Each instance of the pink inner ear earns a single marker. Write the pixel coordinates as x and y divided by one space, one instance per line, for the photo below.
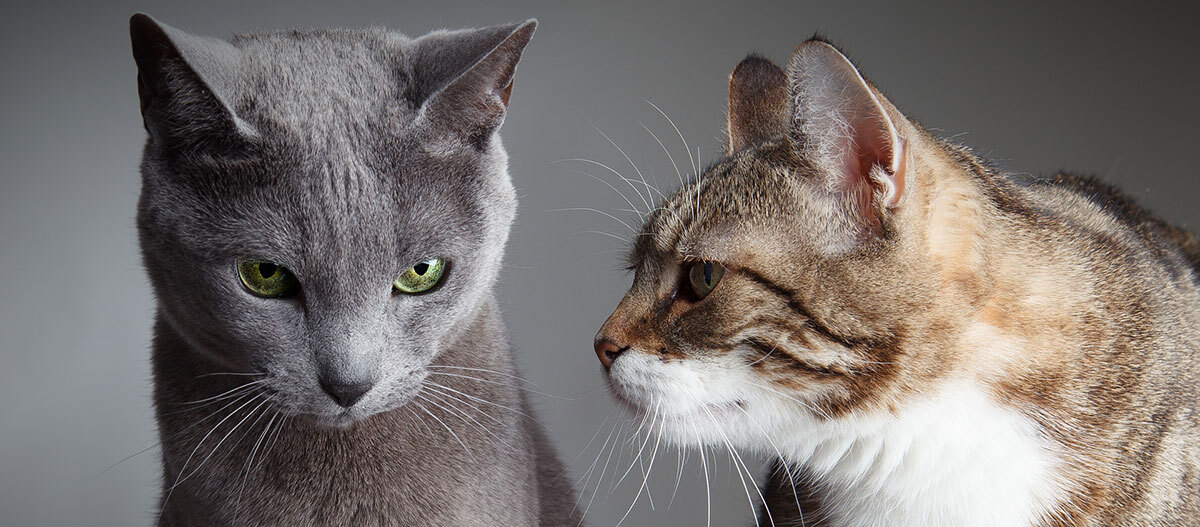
506 93
867 146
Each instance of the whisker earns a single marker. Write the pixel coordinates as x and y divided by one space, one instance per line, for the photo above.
587 209
619 193
685 145
665 151
646 478
219 396
217 447
485 370
640 448
233 373
449 408
488 381
232 400
179 477
444 425
462 401
274 439
631 163
417 417
609 234
644 469
782 463
664 209
786 396
611 450
699 183
484 401
250 461
680 461
707 487
603 470
630 182
585 448
737 460
765 356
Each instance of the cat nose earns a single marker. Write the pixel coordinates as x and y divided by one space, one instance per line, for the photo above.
346 393
608 351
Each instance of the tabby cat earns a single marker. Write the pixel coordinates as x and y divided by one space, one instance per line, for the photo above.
918 338
323 216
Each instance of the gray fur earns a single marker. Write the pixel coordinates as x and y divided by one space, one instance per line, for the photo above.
348 156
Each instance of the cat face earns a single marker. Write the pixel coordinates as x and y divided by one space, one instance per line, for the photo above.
775 290
327 208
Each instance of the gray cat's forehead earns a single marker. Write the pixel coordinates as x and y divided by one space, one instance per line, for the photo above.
326 80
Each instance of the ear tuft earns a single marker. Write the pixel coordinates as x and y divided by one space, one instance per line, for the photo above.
841 124
757 103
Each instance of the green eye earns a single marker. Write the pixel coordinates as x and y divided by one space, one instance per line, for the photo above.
703 277
421 277
265 278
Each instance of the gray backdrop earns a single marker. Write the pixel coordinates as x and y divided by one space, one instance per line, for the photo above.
1099 90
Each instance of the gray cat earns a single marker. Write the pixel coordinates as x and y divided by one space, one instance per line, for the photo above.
322 218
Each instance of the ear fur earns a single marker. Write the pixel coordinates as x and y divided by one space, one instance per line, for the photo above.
841 124
758 103
473 103
183 84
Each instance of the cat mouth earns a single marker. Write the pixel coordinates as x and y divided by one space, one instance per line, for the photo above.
642 403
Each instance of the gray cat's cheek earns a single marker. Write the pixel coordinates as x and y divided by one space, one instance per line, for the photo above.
200 315
226 323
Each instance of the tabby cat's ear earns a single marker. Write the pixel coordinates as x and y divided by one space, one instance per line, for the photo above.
842 125
184 82
758 103
469 75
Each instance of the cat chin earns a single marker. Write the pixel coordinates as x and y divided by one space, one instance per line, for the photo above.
682 419
347 418
341 420
679 415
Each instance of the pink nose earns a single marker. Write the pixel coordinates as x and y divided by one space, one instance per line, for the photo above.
608 351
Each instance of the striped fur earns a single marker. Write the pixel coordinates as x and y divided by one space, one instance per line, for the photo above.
934 343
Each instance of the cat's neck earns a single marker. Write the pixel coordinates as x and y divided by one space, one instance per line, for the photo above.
954 457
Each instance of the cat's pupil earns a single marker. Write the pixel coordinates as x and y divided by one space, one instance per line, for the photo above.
708 273
267 269
421 268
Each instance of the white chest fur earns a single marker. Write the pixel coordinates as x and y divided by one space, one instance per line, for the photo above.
956 458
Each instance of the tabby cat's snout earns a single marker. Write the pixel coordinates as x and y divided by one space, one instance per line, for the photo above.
607 350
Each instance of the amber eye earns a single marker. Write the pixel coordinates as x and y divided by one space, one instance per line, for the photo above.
703 277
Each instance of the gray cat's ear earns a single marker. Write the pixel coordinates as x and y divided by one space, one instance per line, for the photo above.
843 126
758 103
183 83
475 70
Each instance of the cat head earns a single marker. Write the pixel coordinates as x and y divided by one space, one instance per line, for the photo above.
325 207
783 281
